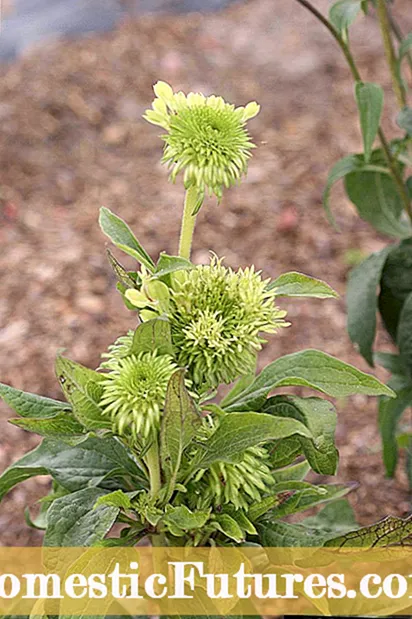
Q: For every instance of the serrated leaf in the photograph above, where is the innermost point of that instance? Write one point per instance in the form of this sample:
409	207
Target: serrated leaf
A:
31	405
170	264
81	388
179	425
62	424
390	531
369	98
299	285
73	520
362	302
121	236
378	202
73	467
153	335
238	431
404	332
404	120
343	13
390	411
308	368
229	526
319	416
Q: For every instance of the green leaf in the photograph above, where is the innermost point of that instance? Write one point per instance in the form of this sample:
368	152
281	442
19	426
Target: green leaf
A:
362	302
396	285
63	424
170	264
117	498
301	499
404	120
392	363
390	531
179	425
238	431
153	335
308	368
31	405
285	535
404	49
369	98
319	416
343	13
299	285
82	389
337	517
184	519
341	169
73	519
390	411
296	472
121	236
239	386
378	202
123	276
73	467
229	526
404	332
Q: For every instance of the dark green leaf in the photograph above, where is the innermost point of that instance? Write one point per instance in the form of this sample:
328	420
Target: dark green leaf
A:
153	335
82	389
343	13
179	425
62	424
362	302
299	285
309	368
285	451
319	416
390	411
31	405
404	332
391	531
404	120
238	431
73	519
337	517
74	467
392	363
120	272
285	535
238	387
121	235
369	98
378	202
343	167
396	285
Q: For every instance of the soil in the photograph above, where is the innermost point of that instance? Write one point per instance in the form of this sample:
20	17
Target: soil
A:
73	139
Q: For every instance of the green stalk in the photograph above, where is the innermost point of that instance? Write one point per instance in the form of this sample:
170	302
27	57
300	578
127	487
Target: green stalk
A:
152	462
385	27
188	222
357	77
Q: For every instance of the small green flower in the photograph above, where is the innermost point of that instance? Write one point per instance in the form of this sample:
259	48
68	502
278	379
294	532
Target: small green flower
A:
237	484
207	138
134	392
216	316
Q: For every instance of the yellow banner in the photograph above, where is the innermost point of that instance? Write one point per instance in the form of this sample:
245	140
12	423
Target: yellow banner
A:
205	581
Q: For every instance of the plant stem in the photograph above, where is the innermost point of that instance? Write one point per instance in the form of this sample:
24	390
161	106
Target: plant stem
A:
385	27
152	462
398	33
188	222
356	75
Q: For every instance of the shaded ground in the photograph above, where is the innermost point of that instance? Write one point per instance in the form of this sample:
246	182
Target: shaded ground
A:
72	139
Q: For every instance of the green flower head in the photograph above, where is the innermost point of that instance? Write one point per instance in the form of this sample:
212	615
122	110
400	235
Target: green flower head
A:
134	392
238	484
216	316
206	137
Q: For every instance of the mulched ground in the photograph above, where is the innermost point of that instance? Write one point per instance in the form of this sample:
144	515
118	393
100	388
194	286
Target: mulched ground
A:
72	139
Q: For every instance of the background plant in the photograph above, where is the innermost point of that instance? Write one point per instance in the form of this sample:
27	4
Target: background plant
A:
376	181
146	441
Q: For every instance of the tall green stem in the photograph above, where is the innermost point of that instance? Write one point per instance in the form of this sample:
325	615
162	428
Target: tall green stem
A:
357	77
188	222
385	27
152	462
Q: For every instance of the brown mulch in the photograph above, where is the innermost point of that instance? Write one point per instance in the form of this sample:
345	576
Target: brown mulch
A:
72	138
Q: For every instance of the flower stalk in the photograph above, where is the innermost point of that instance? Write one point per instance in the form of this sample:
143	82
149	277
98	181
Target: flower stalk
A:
385	28
188	222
